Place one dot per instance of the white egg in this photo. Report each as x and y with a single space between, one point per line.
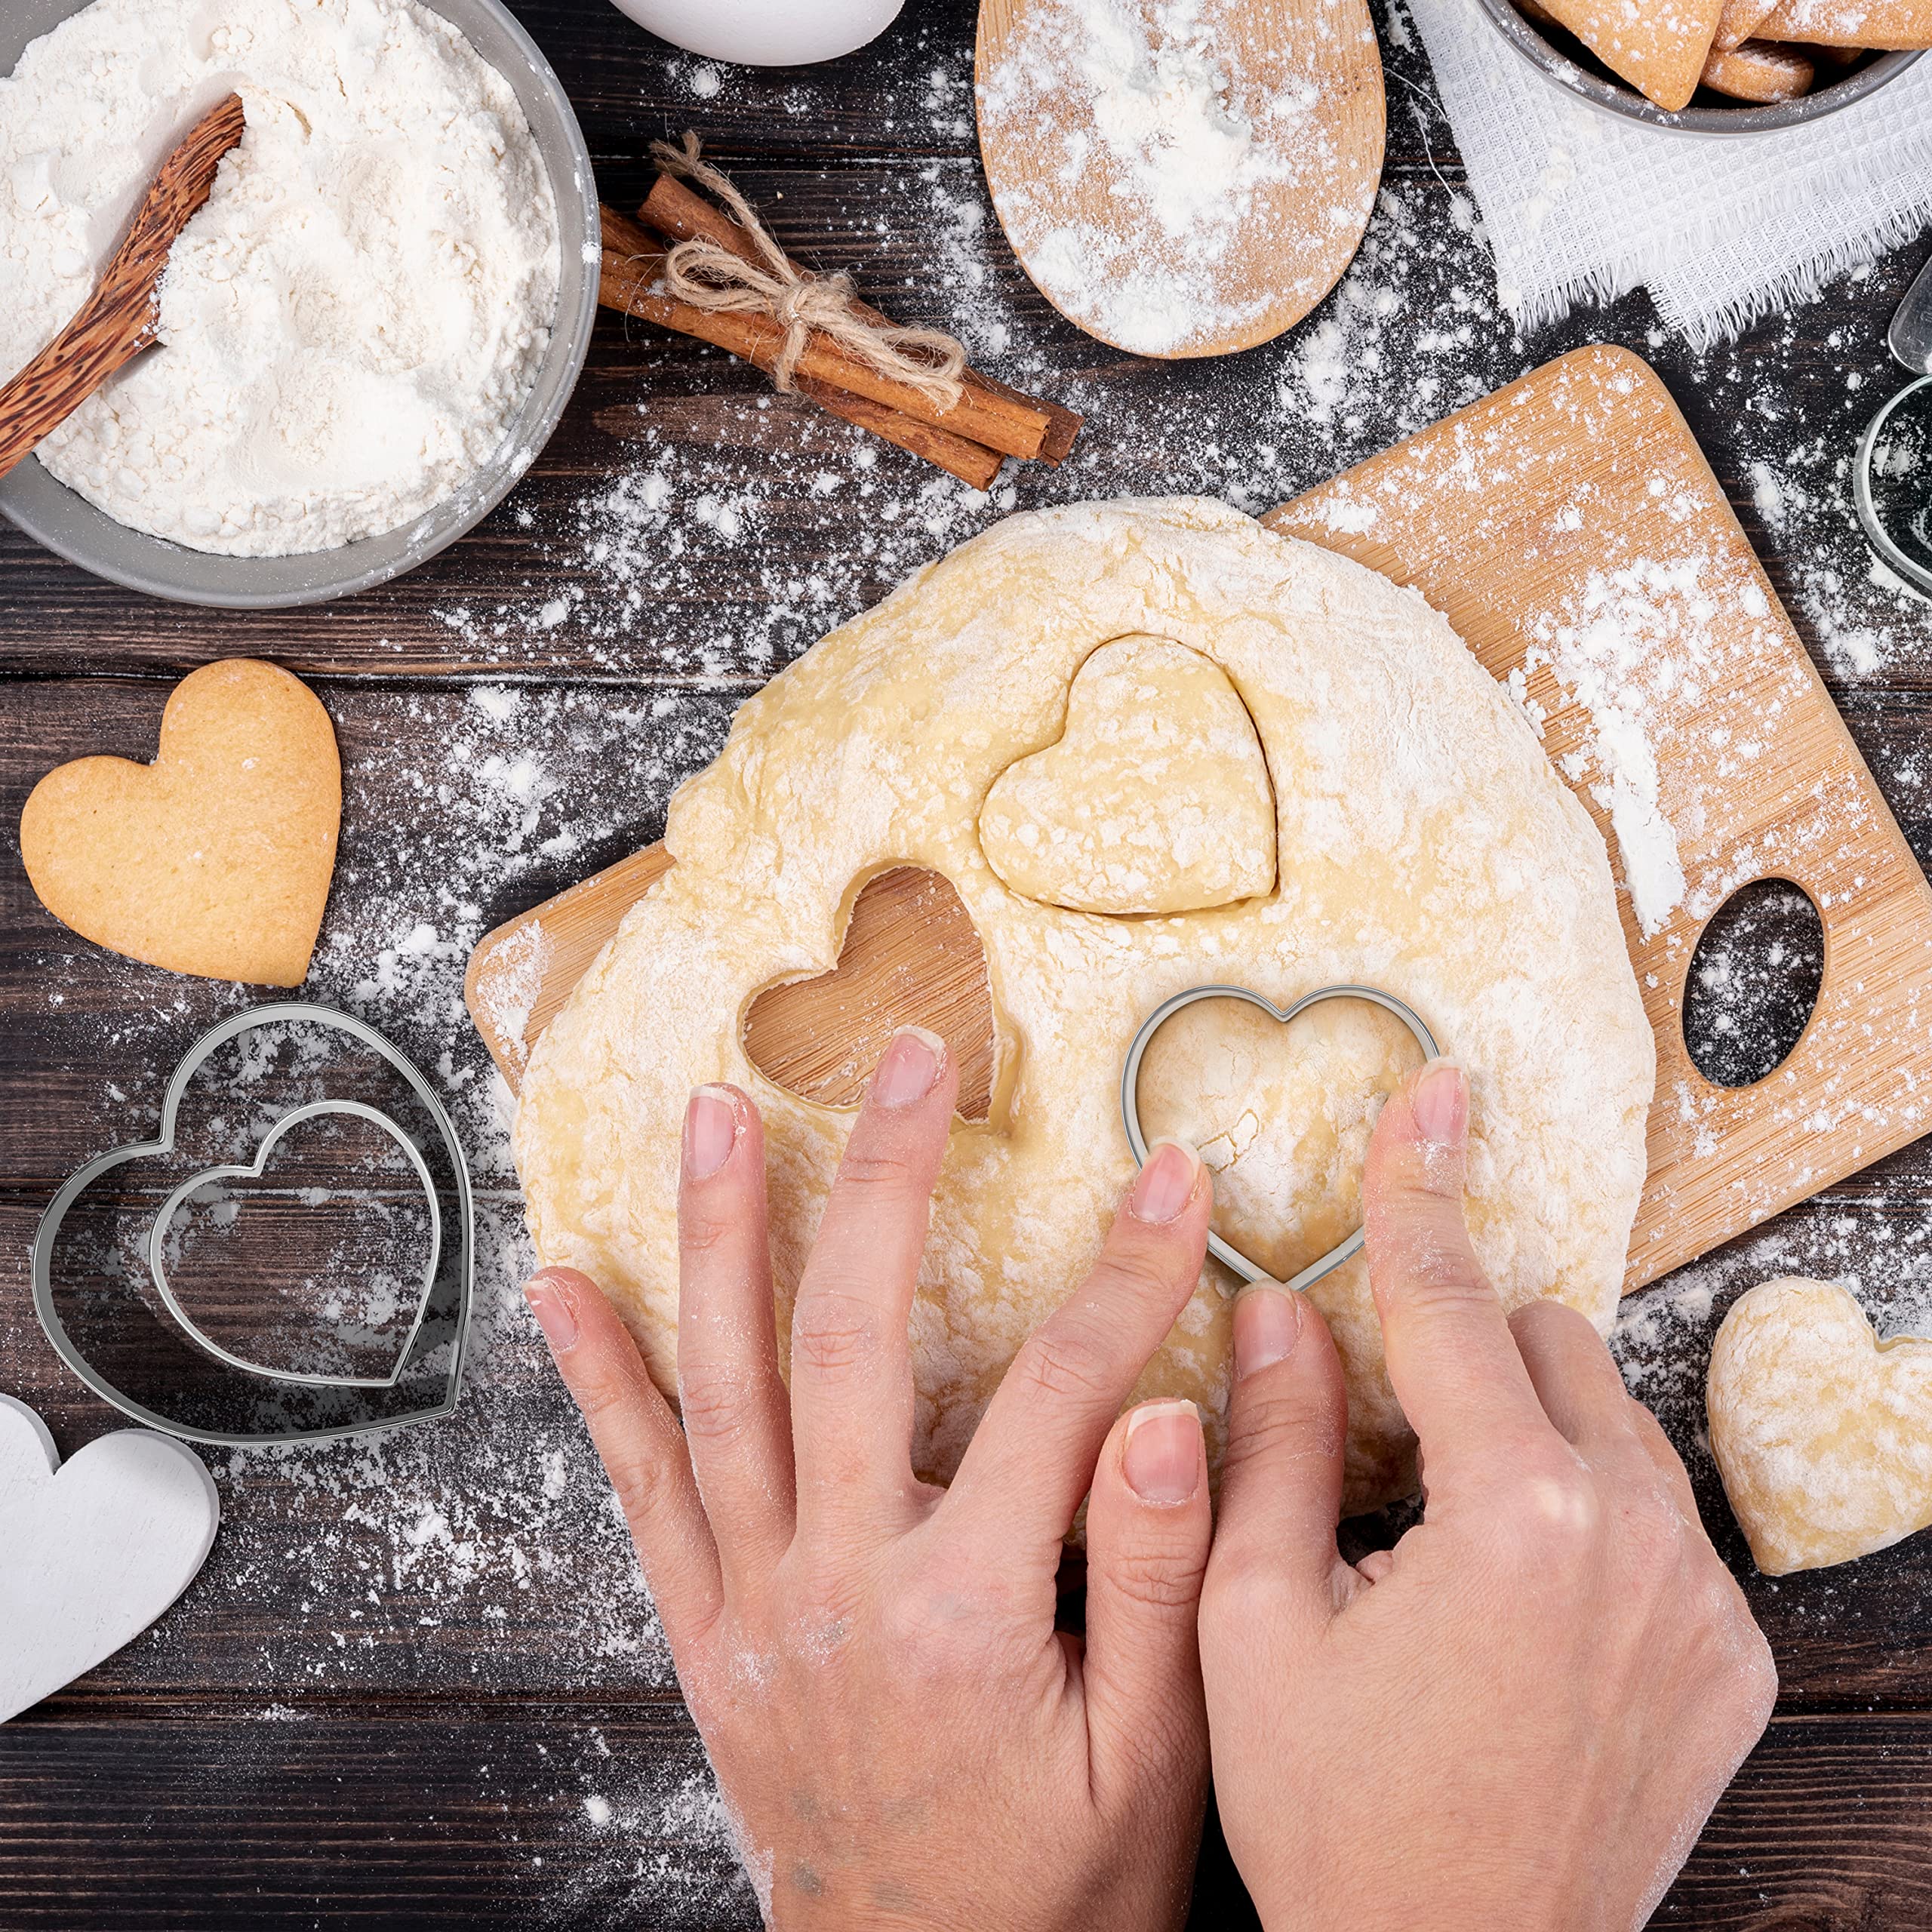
765 33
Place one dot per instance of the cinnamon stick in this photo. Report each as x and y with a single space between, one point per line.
680 214
633 264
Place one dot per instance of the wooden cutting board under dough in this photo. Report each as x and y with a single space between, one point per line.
1575 497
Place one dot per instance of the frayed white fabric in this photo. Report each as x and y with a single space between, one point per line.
1579 206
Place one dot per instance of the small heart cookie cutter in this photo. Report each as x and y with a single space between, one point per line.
1225 1251
254 1170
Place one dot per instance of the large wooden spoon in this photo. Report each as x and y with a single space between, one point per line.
120 318
1069 118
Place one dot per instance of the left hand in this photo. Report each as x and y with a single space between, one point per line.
901 1735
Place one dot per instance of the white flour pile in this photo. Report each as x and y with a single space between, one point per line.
1178 141
349 326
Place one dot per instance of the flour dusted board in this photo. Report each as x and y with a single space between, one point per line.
1575 501
1571 530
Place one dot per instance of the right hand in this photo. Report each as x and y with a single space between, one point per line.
1521 1714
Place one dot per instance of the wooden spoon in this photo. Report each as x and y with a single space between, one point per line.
1305 78
120 317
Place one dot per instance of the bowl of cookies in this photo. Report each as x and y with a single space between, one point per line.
1718 67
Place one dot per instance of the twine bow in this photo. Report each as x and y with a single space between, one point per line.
709 277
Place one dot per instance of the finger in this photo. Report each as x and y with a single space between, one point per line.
1032 1459
1451 1360
642 1448
1281 1472
1578 1385
1148 1526
737 1421
851 1359
1669 1464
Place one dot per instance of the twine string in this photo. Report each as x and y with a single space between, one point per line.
710 277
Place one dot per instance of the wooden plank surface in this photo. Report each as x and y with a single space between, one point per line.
451 1616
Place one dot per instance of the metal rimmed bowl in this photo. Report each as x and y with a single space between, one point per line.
71 526
1577 73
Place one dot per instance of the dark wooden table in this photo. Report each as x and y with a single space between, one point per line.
417 1683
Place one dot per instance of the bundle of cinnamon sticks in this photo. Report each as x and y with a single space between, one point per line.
968 439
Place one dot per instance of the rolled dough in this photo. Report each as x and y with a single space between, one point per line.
1425 846
1822 1432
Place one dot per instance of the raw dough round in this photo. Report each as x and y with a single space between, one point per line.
1425 846
1822 1432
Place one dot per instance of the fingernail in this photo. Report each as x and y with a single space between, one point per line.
710 1131
909 1069
1166 1183
554 1307
1268 1322
1441 1102
1162 1455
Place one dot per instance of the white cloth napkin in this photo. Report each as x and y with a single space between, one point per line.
1579 205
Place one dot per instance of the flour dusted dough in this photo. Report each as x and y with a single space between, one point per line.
1155 801
1822 1433
1425 846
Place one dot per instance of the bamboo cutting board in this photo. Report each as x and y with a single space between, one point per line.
1570 514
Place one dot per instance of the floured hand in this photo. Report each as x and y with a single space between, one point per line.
901 1737
1522 1715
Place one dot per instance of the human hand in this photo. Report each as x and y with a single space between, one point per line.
1521 1714
901 1736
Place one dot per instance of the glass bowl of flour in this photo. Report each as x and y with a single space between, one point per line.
367 335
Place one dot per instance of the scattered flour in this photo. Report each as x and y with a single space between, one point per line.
348 327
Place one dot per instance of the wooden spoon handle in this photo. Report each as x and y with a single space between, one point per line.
117 321
99 340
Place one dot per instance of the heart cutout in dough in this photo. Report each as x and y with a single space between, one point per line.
215 858
1155 799
1221 1080
912 957
1822 1432
96 1548
254 1170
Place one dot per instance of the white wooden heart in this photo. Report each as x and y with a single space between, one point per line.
94 1549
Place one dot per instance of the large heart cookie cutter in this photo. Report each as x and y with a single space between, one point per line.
254 1170
1223 1251
310 1407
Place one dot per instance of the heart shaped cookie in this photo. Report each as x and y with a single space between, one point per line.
97 1547
1822 1432
1155 799
215 858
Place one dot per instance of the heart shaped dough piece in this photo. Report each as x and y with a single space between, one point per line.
215 858
1822 1433
1155 799
95 1553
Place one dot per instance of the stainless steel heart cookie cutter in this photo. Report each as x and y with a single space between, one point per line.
1910 338
1223 1251
281 1405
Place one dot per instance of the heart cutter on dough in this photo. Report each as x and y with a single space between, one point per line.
447 1275
1223 1251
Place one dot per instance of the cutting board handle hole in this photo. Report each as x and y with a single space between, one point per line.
1753 983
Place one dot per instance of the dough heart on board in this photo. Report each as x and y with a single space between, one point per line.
1822 1433
215 858
1425 846
96 1548
1155 800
